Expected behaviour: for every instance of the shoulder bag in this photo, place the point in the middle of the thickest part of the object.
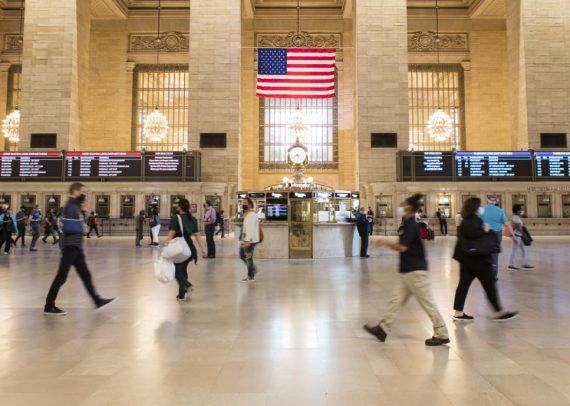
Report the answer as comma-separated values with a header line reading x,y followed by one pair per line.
x,y
526,237
177,249
486,245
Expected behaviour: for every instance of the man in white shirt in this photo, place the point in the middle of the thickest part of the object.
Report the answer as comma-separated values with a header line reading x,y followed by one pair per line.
x,y
210,218
250,236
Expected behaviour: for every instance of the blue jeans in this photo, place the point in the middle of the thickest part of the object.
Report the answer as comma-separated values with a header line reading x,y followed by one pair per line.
x,y
495,257
35,233
139,237
209,231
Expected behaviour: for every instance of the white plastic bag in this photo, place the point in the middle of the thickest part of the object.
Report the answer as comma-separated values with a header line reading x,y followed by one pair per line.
x,y
177,249
164,270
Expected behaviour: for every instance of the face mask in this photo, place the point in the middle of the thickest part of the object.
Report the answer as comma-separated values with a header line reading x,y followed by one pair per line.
x,y
81,197
401,212
481,211
245,207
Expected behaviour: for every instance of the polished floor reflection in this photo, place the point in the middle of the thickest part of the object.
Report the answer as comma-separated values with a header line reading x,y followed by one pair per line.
x,y
291,338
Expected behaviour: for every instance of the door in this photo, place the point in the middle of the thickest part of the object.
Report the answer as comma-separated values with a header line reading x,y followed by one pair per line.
x,y
301,228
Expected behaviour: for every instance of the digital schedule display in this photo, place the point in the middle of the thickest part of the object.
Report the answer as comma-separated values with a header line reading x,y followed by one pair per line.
x,y
163,165
33,166
553,165
476,166
433,165
115,166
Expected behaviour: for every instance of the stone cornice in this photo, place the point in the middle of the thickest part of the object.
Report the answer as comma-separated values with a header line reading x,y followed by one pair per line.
x,y
425,41
169,42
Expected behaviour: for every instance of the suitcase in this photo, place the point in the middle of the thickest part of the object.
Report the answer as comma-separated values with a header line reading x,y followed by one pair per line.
x,y
430,234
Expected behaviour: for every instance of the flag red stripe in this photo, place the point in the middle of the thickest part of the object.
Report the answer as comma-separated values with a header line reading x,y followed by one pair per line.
x,y
312,58
294,80
300,89
301,96
311,50
310,65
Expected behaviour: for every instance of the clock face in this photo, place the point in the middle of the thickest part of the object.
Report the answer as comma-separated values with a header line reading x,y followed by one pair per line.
x,y
297,155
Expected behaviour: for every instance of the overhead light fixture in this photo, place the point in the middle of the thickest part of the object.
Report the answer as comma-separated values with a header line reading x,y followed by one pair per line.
x,y
101,200
155,125
440,125
127,200
2,199
11,123
51,199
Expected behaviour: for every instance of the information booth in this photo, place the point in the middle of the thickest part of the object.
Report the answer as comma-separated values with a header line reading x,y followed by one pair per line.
x,y
303,222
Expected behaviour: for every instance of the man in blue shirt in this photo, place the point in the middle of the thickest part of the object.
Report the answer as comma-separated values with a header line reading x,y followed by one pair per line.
x,y
496,218
35,221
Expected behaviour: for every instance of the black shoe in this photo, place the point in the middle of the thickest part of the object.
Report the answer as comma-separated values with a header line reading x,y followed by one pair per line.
x,y
33,250
99,236
376,331
53,311
365,256
45,241
181,297
435,341
527,268
513,268
102,303
507,316
465,317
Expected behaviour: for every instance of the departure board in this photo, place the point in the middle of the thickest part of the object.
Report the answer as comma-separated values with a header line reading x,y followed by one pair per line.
x,y
553,165
433,165
164,165
114,166
513,165
32,166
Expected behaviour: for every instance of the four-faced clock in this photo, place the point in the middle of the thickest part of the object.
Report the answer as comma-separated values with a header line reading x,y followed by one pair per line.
x,y
297,155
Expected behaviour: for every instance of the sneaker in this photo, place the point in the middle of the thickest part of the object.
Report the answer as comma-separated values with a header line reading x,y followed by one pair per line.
x,y
53,311
33,250
6,253
102,303
435,341
507,316
99,236
464,317
528,268
246,280
376,331
181,298
513,268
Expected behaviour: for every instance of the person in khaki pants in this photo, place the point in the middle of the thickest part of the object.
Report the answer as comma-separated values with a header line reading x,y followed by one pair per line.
x,y
413,278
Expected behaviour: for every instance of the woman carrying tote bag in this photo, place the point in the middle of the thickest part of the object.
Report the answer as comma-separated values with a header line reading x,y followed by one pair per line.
x,y
190,226
473,229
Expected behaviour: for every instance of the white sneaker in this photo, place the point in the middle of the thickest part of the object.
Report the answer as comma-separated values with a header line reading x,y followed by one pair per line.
x,y
513,268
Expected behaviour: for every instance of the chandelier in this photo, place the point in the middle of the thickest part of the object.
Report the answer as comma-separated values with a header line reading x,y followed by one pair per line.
x,y
440,126
297,126
11,126
155,125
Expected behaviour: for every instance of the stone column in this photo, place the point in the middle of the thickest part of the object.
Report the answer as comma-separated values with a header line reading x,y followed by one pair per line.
x,y
214,101
539,57
55,69
382,84
4,69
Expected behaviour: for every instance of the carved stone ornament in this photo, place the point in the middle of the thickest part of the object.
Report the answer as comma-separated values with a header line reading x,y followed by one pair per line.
x,y
13,42
298,40
426,42
169,42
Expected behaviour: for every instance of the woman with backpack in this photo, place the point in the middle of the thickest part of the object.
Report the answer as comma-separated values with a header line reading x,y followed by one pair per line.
x,y
519,242
7,229
473,229
184,225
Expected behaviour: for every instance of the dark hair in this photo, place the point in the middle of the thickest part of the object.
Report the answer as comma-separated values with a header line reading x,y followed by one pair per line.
x,y
470,207
517,208
209,203
74,187
92,213
184,205
415,201
141,212
249,202
22,208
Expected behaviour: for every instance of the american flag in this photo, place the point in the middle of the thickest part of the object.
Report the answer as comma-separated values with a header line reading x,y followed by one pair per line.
x,y
295,73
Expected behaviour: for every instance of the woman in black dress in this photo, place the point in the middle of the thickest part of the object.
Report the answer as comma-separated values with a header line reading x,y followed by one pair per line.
x,y
471,267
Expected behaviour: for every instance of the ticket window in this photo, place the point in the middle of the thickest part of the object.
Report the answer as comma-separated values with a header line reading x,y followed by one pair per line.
x,y
102,205
384,208
127,208
566,206
53,202
521,200
544,206
444,204
6,200
152,204
323,211
28,202
174,199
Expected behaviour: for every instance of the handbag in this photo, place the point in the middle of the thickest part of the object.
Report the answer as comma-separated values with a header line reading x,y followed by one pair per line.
x,y
164,270
526,237
486,245
72,226
177,249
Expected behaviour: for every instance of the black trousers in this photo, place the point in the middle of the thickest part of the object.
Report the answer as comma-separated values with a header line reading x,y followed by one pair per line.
x,y
21,234
71,255
443,227
483,270
91,228
364,244
139,237
5,238
181,275
50,230
210,229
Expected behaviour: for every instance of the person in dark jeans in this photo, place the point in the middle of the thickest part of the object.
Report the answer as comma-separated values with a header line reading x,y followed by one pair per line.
x,y
363,227
72,253
51,227
210,228
471,267
21,222
35,222
440,214
220,221
7,228
370,217
92,223
139,224
190,229
249,237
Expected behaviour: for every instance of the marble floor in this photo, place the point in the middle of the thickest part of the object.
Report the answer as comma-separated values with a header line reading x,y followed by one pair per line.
x,y
294,337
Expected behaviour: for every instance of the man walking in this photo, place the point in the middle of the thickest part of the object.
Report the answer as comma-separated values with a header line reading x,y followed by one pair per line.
x,y
35,221
21,218
72,253
210,228
139,224
496,218
363,227
221,220
441,216
51,227
92,223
